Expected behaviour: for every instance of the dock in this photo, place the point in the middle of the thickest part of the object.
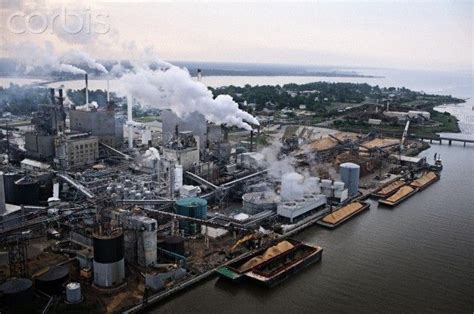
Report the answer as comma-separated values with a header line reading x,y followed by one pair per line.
x,y
440,140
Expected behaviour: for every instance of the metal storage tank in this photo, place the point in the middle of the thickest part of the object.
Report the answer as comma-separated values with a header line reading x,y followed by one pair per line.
x,y
174,244
194,207
17,291
27,191
350,176
2,194
9,185
338,185
52,280
73,292
255,202
109,266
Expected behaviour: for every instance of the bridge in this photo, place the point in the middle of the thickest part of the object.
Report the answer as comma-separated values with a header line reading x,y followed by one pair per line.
x,y
440,139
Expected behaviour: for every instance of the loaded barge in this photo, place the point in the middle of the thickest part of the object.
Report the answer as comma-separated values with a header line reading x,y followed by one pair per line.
x,y
389,189
274,264
342,214
425,180
402,194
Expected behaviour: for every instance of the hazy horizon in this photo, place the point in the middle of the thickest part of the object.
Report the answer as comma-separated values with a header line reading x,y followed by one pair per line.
x,y
354,34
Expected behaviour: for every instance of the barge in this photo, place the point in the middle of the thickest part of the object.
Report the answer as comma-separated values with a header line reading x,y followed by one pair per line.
x,y
402,194
283,266
389,189
272,265
342,214
425,180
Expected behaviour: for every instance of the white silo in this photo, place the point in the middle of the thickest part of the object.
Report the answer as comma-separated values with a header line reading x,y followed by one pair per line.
x,y
350,176
178,177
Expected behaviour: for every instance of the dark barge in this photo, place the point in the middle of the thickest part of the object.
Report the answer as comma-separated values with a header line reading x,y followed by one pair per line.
x,y
273,264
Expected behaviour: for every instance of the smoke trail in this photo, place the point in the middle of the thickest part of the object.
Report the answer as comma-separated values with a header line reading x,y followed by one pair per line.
x,y
69,69
44,58
80,57
166,86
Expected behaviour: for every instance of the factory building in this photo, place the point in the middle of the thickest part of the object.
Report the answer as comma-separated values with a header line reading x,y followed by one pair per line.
x,y
183,149
76,150
195,123
48,122
298,208
140,239
100,123
39,146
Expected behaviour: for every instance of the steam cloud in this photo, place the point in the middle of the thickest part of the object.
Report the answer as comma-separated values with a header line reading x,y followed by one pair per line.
x,y
32,57
166,86
153,82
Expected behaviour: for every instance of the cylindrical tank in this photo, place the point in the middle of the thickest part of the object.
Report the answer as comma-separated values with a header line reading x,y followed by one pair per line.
x,y
291,186
194,207
2,194
73,292
174,244
17,291
178,177
109,267
255,202
51,282
326,183
27,191
339,186
350,176
9,185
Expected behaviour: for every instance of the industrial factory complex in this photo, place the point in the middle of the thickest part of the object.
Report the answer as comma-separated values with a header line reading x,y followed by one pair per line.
x,y
99,212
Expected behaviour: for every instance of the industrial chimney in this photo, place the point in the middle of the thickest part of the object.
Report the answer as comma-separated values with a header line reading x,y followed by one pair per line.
x,y
108,90
87,89
199,75
130,121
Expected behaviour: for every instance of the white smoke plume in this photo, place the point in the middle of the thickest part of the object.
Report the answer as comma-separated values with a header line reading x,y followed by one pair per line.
x,y
80,57
165,86
277,167
33,57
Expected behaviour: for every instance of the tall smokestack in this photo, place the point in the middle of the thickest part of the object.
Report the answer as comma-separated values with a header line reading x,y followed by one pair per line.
x,y
108,90
199,75
87,88
51,92
60,99
251,141
130,121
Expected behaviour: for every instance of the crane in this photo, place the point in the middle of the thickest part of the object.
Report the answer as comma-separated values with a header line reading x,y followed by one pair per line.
x,y
404,136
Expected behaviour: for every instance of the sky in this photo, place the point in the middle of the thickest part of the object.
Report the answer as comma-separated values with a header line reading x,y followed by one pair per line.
x,y
393,34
